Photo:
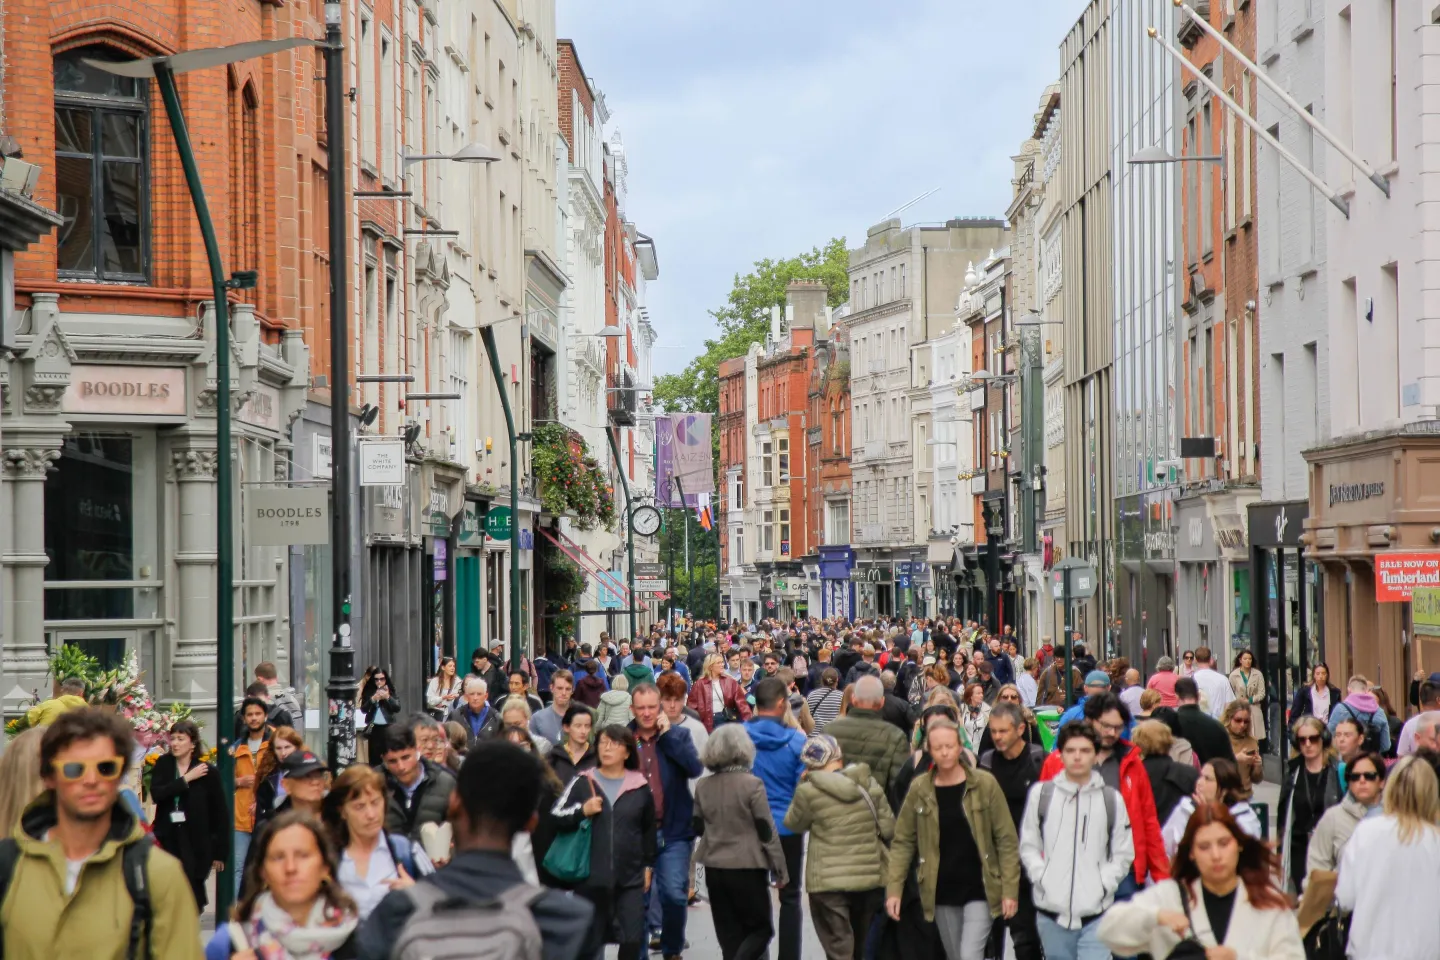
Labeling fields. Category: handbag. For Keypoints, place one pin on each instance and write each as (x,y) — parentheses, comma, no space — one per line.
(1188,948)
(568,859)
(884,847)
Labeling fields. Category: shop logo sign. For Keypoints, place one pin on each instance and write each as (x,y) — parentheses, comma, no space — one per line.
(287,516)
(1355,492)
(1398,575)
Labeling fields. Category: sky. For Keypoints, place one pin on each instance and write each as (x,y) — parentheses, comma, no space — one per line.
(762,128)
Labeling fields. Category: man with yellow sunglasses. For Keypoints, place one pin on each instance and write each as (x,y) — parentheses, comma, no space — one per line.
(64,889)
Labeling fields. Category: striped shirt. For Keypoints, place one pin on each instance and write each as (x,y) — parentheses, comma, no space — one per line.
(824,705)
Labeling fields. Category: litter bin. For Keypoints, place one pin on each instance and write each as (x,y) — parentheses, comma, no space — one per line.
(1048,718)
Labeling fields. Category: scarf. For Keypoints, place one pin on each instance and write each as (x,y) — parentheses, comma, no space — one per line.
(273,934)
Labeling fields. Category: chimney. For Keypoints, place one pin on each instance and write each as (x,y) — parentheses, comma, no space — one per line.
(805,305)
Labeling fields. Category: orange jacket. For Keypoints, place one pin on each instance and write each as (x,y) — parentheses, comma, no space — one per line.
(245,766)
(1139,804)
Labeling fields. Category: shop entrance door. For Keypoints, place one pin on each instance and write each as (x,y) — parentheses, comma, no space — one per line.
(467,608)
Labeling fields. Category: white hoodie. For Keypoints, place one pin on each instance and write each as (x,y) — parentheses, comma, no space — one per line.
(1074,879)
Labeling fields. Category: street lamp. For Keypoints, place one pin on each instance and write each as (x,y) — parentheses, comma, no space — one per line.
(1156,154)
(470,153)
(164,69)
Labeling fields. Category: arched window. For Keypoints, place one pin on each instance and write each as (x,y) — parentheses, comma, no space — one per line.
(102,169)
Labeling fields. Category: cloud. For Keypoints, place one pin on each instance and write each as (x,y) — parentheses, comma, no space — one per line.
(760,129)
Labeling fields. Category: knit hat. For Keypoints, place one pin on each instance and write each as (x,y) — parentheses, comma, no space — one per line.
(1097,678)
(638,673)
(820,749)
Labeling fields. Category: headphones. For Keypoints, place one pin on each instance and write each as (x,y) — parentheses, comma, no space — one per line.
(1295,732)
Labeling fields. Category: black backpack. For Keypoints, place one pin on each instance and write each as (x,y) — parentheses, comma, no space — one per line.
(1369,727)
(134,862)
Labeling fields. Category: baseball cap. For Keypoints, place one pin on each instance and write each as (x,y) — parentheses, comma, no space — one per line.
(1097,678)
(819,750)
(300,764)
(929,659)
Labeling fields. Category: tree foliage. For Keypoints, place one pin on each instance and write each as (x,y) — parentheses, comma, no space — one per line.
(745,318)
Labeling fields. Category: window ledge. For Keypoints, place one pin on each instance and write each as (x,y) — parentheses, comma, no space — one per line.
(1272,283)
(1302,31)
(1390,170)
(1270,55)
(1306,270)
(369,168)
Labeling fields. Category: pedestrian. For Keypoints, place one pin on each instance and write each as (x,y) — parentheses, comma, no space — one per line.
(1393,920)
(616,797)
(549,722)
(518,685)
(739,846)
(669,762)
(1387,709)
(1051,682)
(1076,869)
(1220,782)
(614,703)
(293,874)
(1163,681)
(515,712)
(778,764)
(956,821)
(844,811)
(1215,689)
(1312,788)
(248,752)
(269,779)
(1015,762)
(1096,682)
(592,684)
(1427,698)
(531,846)
(824,700)
(1316,698)
(457,738)
(576,754)
(1028,681)
(1248,685)
(1223,896)
(1206,735)
(1029,726)
(1187,663)
(20,778)
(865,737)
(81,821)
(373,860)
(717,697)
(974,714)
(474,714)
(416,789)
(189,808)
(380,707)
(1238,719)
(430,738)
(1364,781)
(1361,706)
(1170,781)
(444,689)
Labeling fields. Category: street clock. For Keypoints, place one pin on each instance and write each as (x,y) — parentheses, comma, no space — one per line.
(645,520)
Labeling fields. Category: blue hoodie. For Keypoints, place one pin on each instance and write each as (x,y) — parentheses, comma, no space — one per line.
(1077,712)
(777,764)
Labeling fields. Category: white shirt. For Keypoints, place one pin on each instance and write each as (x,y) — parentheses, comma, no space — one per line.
(1320,705)
(1215,690)
(1029,690)
(369,890)
(1390,920)
(1130,696)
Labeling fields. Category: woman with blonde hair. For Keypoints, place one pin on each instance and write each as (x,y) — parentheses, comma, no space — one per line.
(1312,786)
(716,696)
(19,778)
(1390,920)
(515,712)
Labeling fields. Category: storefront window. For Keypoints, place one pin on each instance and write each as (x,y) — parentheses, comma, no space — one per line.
(312,635)
(89,527)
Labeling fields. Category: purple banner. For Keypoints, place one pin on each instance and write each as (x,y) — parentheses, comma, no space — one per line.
(683,458)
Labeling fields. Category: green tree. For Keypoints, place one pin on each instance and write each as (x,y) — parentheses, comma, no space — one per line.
(745,318)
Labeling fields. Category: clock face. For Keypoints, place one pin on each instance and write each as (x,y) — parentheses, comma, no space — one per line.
(645,520)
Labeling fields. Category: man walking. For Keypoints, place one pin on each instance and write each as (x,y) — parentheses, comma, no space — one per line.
(547,723)
(475,714)
(247,752)
(1215,689)
(419,789)
(778,764)
(1207,737)
(1015,764)
(866,737)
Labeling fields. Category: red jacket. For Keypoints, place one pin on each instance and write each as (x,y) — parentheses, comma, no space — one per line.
(1139,804)
(703,703)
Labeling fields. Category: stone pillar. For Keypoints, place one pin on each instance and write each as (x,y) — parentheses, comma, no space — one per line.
(25,656)
(193,655)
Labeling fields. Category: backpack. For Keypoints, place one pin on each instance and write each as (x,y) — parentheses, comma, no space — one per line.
(445,927)
(134,865)
(1047,794)
(1369,725)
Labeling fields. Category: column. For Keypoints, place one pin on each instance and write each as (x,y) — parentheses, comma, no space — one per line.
(192,660)
(26,660)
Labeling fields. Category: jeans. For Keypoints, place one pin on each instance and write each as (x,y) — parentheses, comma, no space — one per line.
(242,849)
(1063,944)
(792,915)
(669,897)
(964,930)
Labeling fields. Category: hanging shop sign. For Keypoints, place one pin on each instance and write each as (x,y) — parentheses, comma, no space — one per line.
(137,391)
(441,565)
(1397,575)
(287,516)
(382,463)
(498,523)
(437,516)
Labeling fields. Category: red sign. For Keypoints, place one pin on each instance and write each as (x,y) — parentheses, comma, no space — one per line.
(1398,574)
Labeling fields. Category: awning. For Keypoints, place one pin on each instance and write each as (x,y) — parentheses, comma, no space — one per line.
(940,551)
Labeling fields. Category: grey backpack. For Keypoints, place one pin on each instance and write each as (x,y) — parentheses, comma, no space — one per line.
(454,928)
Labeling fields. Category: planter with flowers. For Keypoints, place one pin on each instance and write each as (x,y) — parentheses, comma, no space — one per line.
(571,482)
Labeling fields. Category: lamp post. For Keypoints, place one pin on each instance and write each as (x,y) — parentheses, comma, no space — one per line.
(164,70)
(613,432)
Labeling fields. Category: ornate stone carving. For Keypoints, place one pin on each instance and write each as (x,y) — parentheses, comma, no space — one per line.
(205,402)
(194,464)
(44,397)
(30,463)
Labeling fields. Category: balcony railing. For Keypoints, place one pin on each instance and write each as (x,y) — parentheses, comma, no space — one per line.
(621,398)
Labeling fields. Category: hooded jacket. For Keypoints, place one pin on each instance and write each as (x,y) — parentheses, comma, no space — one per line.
(777,763)
(847,850)
(1363,706)
(622,836)
(41,922)
(1147,845)
(638,673)
(1074,867)
(614,708)
(590,687)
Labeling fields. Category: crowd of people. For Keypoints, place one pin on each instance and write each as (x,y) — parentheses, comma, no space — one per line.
(914,789)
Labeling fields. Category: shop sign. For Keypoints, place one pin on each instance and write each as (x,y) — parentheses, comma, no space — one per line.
(902,575)
(441,561)
(382,463)
(438,516)
(1397,575)
(471,525)
(1355,492)
(870,574)
(387,511)
(137,391)
(1425,606)
(287,516)
(497,523)
(609,590)
(321,456)
(262,408)
(649,571)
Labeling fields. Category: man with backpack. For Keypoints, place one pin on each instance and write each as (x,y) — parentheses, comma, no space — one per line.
(1075,872)
(1361,706)
(1015,764)
(80,877)
(490,913)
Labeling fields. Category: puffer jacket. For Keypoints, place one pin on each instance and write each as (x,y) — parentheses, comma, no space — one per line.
(406,814)
(917,840)
(847,850)
(1074,868)
(614,708)
(777,763)
(1147,844)
(41,922)
(866,737)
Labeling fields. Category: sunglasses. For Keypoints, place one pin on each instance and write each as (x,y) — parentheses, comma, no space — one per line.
(73,770)
(1369,777)
(1310,738)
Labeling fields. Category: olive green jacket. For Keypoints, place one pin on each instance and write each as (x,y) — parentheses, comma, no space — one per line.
(847,835)
(917,840)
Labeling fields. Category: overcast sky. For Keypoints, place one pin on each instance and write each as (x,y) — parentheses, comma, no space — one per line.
(761,128)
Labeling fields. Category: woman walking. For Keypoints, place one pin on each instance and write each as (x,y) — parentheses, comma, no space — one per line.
(189,808)
(617,800)
(956,822)
(1312,788)
(1238,718)
(716,697)
(294,907)
(824,700)
(575,754)
(443,691)
(1219,782)
(846,813)
(1365,780)
(372,861)
(1170,781)
(974,714)
(380,707)
(1317,697)
(269,781)
(1221,894)
(1249,686)
(738,845)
